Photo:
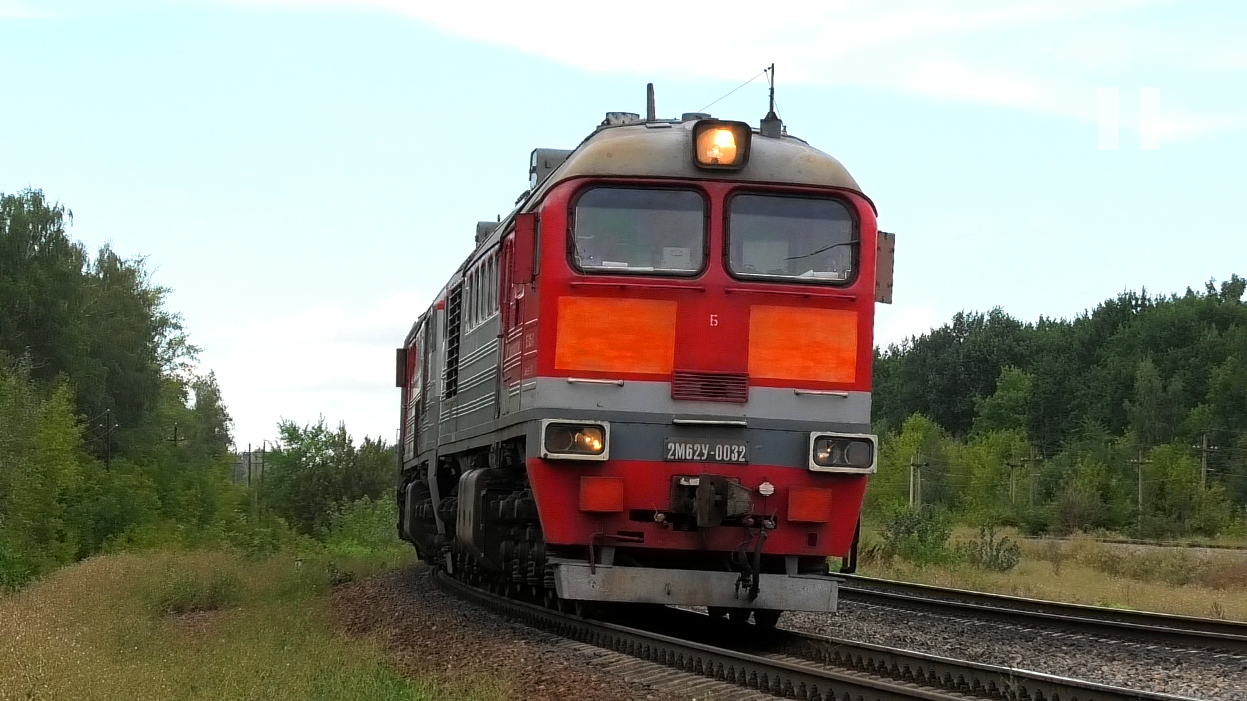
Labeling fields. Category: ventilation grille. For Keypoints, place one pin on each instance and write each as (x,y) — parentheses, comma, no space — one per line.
(710,386)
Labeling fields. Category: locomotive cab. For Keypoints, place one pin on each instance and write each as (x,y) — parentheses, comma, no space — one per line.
(676,409)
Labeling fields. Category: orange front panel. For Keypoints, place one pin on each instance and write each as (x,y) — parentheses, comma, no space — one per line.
(615,335)
(797,343)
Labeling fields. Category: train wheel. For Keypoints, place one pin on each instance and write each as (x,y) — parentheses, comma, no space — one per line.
(717,611)
(766,618)
(738,615)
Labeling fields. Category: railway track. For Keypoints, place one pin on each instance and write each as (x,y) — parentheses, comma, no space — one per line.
(1140,626)
(796,665)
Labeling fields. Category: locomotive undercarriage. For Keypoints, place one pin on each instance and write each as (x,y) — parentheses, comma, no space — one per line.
(495,541)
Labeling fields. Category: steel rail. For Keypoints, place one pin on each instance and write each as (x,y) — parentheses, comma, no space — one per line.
(797,665)
(1153,628)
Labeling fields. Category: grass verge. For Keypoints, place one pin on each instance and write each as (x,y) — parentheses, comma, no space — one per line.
(1083,571)
(195,625)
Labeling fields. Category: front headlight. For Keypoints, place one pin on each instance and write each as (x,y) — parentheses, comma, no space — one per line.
(842,453)
(719,144)
(574,440)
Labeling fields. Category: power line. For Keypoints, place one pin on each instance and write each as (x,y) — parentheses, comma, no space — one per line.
(738,87)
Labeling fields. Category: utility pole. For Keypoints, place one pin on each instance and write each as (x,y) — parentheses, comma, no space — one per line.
(1013,481)
(1204,449)
(175,440)
(108,439)
(915,481)
(1141,462)
(1030,474)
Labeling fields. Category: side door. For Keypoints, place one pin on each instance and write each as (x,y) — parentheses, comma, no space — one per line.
(517,300)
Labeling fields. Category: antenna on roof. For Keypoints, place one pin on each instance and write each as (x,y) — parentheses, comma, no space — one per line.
(772,125)
(649,102)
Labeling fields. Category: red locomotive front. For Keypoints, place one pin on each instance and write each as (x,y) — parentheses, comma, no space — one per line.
(651,382)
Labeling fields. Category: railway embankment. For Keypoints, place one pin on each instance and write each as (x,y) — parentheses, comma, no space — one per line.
(200,625)
(431,634)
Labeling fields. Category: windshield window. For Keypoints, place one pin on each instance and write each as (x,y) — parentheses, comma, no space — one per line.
(640,231)
(790,237)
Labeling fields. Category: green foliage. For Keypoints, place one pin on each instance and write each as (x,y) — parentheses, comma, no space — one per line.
(315,471)
(109,442)
(991,551)
(920,441)
(97,322)
(1006,408)
(365,527)
(1050,426)
(918,535)
(41,472)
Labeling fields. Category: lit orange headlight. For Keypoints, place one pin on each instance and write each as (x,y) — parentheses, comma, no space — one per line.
(719,144)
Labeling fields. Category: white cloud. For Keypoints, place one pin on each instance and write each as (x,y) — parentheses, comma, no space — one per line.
(1039,55)
(329,359)
(894,324)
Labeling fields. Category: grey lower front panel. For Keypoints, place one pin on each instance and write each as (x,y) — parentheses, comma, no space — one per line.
(648,585)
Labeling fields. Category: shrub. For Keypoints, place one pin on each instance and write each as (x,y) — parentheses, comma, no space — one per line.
(991,551)
(918,535)
(364,527)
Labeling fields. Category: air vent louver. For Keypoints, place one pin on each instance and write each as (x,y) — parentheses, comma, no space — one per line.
(710,386)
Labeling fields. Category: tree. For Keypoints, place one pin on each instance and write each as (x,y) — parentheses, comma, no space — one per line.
(1006,409)
(315,471)
(99,323)
(1153,412)
(209,433)
(40,473)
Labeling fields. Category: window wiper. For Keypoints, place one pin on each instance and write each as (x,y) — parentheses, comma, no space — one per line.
(821,250)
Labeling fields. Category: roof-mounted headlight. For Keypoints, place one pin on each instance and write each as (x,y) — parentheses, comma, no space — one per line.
(721,145)
(574,440)
(853,453)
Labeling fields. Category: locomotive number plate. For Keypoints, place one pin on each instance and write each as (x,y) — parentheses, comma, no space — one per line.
(707,451)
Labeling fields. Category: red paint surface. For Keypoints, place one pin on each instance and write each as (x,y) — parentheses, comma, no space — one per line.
(700,345)
(711,335)
(646,486)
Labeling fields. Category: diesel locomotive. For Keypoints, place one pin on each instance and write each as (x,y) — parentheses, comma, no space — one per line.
(650,382)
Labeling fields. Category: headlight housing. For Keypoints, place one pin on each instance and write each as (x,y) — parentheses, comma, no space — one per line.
(718,144)
(854,453)
(564,439)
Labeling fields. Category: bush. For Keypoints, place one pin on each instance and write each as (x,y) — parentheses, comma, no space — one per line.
(918,535)
(364,527)
(991,551)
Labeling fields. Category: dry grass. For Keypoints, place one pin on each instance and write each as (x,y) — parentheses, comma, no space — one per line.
(205,625)
(1204,583)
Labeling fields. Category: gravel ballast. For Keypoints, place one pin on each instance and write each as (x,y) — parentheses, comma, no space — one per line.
(432,634)
(1194,673)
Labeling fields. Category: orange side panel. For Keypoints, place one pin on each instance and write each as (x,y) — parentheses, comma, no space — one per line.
(615,335)
(796,343)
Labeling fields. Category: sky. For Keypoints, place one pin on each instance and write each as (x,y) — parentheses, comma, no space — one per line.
(305,174)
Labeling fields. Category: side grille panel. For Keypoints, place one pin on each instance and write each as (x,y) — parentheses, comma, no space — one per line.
(710,386)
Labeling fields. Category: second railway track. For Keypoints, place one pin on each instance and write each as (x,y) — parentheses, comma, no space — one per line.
(789,664)
(1140,626)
